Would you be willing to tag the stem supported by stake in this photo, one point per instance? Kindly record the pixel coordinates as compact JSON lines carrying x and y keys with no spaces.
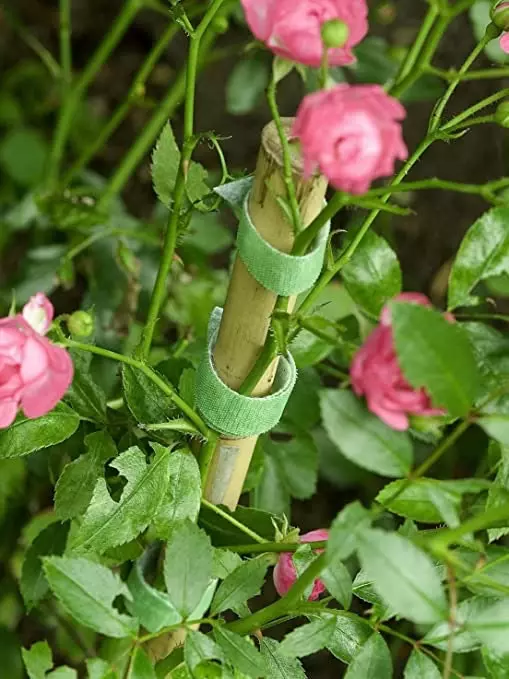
{"x":249,"y":307}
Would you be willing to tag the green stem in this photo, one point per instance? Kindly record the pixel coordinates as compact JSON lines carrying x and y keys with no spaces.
{"x":68,"y":111}
{"x":287,"y":160}
{"x":206,"y":456}
{"x":108,"y":233}
{"x":433,"y":183}
{"x":436,"y":116}
{"x":136,"y":90}
{"x":430,"y":46}
{"x":309,"y":234}
{"x":328,"y":275}
{"x":472,"y":110}
{"x":409,"y":62}
{"x":42,"y":52}
{"x":280,"y":608}
{"x":481,"y":74}
{"x":228,"y":517}
{"x":153,"y":377}
{"x":490,"y":518}
{"x":276,"y":547}
{"x":65,"y":46}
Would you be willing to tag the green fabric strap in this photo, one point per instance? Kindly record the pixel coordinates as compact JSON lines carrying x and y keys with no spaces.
{"x":233,"y":414}
{"x":277,"y":271}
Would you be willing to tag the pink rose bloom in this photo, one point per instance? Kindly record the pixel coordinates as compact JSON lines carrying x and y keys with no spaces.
{"x":504,"y":39}
{"x":376,"y":374}
{"x":352,"y":134}
{"x":285,"y":573}
{"x":34,"y":373}
{"x":292,"y":28}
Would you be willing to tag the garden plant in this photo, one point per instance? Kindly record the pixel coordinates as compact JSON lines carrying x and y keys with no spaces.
{"x":167,"y":394}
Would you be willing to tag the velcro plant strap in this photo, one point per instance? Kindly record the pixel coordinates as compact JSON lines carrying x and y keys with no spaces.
{"x":230,"y":413}
{"x":277,"y":271}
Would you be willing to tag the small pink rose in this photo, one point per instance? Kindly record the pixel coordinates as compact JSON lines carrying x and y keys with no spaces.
{"x":292,"y":28}
{"x":34,"y":373}
{"x":352,"y":134}
{"x":376,"y":374}
{"x":504,"y":42}
{"x":285,"y":573}
{"x":38,"y":313}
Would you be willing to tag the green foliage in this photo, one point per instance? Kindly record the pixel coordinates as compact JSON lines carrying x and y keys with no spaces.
{"x":309,"y":639}
{"x":440,"y":359}
{"x":108,"y":523}
{"x":373,"y":275}
{"x":240,"y":585}
{"x":362,"y":437}
{"x":373,"y":659}
{"x":87,"y":590}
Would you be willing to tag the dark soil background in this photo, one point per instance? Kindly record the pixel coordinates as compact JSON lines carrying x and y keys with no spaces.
{"x":425,"y":241}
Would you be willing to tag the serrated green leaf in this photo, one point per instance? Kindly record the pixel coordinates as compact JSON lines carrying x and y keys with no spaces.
{"x":108,"y":523}
{"x":350,"y":634}
{"x":27,"y":436}
{"x":337,"y":580}
{"x":297,"y":461}
{"x":38,"y":660}
{"x":244,"y":583}
{"x":419,"y":666}
{"x":346,"y":528}
{"x":76,"y":484}
{"x":85,"y":396}
{"x":437,"y":355}
{"x":416,"y":502}
{"x":51,"y":541}
{"x":240,"y":652}
{"x":225,"y":562}
{"x":496,"y":426}
{"x":196,"y":182}
{"x":147,"y":404}
{"x":363,"y":588}
{"x":373,"y":275}
{"x":483,"y":253}
{"x":271,"y":494}
{"x":403,"y":575}
{"x":278,"y":665}
{"x":496,"y":664}
{"x":141,"y":667}
{"x":62,"y":673}
{"x":363,"y":438}
{"x":187,"y":566}
{"x":100,"y":669}
{"x":308,"y":639}
{"x":373,"y":660}
{"x":183,"y":497}
{"x":87,"y":591}
{"x":200,"y":647}
{"x":165,"y":165}
{"x":464,"y":639}
{"x":498,"y":494}
{"x":491,"y":627}
{"x":246,"y":85}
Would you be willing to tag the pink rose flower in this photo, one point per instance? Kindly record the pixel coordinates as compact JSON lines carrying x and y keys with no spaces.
{"x":352,"y":133}
{"x":292,"y":28}
{"x":285,"y":573}
{"x":34,"y":373}
{"x":376,"y":374}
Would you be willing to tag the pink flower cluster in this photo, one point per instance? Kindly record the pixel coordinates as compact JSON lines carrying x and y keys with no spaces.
{"x":285,"y":573}
{"x":350,"y":133}
{"x":376,"y":374}
{"x":34,"y":373}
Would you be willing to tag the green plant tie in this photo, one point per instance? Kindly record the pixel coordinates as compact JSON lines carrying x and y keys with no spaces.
{"x":233,"y":414}
{"x":277,"y":271}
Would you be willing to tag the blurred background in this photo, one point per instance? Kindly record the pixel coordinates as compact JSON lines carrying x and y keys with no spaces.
{"x":41,"y":250}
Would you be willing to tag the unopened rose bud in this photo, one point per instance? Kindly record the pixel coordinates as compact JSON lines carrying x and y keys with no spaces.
{"x":38,"y":313}
{"x":334,"y":33}
{"x":502,"y":114}
{"x":500,"y":16}
{"x":220,"y":24}
{"x":81,"y":324}
{"x":285,"y":572}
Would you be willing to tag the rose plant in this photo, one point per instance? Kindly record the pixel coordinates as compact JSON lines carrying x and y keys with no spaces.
{"x":123,"y":553}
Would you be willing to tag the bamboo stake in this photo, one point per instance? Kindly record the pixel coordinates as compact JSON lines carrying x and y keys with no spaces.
{"x":249,"y":307}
